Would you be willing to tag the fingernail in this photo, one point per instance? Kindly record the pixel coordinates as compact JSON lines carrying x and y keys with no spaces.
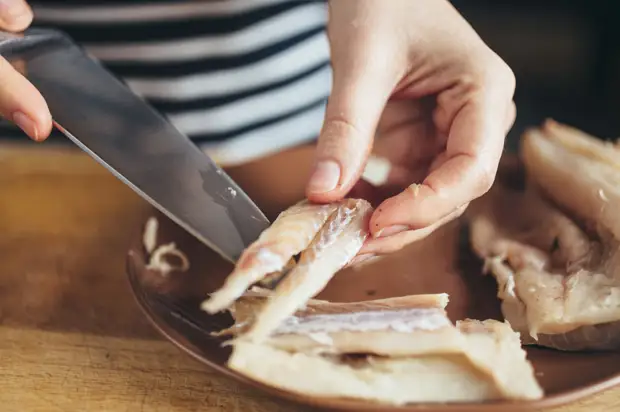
{"x":13,"y":12}
{"x":391,"y":230}
{"x":26,"y":124}
{"x":325,"y":177}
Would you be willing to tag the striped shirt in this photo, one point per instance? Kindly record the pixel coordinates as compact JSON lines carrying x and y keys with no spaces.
{"x":241,"y":78}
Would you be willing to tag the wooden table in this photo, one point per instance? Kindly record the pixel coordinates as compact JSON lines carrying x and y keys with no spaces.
{"x":71,"y":336}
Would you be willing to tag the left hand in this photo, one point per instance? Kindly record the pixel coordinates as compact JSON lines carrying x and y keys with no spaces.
{"x":440,"y":101}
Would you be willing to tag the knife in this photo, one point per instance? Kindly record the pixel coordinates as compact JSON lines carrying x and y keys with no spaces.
{"x":121,"y":131}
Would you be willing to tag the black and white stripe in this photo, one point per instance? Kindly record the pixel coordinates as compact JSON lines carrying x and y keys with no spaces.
{"x":242,"y":78}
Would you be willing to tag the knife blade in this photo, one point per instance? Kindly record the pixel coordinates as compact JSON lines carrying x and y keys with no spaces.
{"x":135,"y":143}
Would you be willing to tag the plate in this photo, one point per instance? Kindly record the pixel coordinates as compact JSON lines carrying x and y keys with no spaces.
{"x":440,"y":263}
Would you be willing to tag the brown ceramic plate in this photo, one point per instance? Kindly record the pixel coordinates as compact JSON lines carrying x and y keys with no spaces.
{"x":441,"y":263}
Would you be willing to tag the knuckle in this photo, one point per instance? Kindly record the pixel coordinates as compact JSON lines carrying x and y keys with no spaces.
{"x":341,"y":125}
{"x":488,"y":70}
{"x":505,"y":76}
{"x":484,"y":181}
{"x":339,"y":131}
{"x":497,"y":73}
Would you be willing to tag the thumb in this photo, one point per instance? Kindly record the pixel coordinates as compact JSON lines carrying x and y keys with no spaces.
{"x":359,"y":94}
{"x":21,"y":103}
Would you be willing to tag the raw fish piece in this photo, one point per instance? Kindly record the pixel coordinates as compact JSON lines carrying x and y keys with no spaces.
{"x":336,"y":243}
{"x":483,"y":361}
{"x":290,"y":234}
{"x":160,"y":256}
{"x":553,"y":246}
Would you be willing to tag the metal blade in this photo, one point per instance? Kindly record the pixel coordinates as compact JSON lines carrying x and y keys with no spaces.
{"x":104,"y":118}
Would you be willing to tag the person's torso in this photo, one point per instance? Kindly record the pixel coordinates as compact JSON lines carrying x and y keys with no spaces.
{"x":242,"y":78}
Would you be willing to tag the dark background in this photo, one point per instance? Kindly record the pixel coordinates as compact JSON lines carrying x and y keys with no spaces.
{"x":565,"y":55}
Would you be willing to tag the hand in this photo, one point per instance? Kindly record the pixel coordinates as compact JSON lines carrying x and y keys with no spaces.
{"x":449,"y":107}
{"x":20,"y":102}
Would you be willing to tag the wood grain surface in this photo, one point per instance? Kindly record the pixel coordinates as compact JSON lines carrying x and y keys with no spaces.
{"x":71,"y":336}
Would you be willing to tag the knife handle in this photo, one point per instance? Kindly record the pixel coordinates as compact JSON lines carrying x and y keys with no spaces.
{"x":22,"y":45}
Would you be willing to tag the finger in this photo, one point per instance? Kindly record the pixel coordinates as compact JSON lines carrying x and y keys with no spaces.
{"x":401,"y":111}
{"x":359,"y":94}
{"x":15,"y":15}
{"x":359,"y":260}
{"x":475,"y":142}
{"x":346,"y":138}
{"x":21,"y":103}
{"x":397,"y":179}
{"x":511,"y":116}
{"x":409,"y":143}
{"x":443,"y":157}
{"x":389,"y":243}
{"x":373,"y":194}
{"x":402,"y":177}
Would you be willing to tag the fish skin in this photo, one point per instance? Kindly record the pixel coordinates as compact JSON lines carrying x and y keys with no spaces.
{"x":338,"y":241}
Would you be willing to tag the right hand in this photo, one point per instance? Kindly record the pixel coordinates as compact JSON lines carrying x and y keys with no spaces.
{"x":20,"y":101}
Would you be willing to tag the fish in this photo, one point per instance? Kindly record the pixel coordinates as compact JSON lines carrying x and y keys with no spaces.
{"x":161,"y":256}
{"x":274,"y":250}
{"x":425,"y":359}
{"x":553,"y":243}
{"x":494,"y":348}
{"x":335,"y":244}
{"x":326,"y":237}
{"x":399,"y":326}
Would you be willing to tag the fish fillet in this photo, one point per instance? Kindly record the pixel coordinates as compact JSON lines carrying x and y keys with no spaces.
{"x":398,"y":326}
{"x":336,"y":243}
{"x":396,"y":381}
{"x":482,"y":361}
{"x":494,"y":348}
{"x":290,"y":234}
{"x":553,"y":246}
